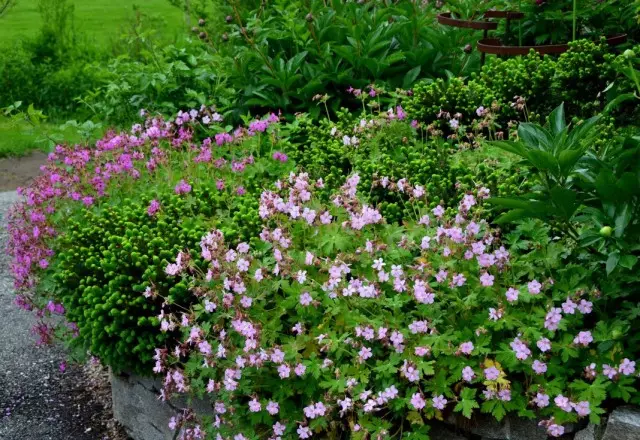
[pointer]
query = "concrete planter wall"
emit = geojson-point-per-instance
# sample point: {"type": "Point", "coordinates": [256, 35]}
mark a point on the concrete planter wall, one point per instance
{"type": "Point", "coordinates": [136, 405]}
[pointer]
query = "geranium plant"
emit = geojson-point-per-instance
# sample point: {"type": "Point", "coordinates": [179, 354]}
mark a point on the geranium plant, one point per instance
{"type": "Point", "coordinates": [333, 321]}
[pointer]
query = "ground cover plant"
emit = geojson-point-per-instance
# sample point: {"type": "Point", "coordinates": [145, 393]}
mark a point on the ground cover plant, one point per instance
{"type": "Point", "coordinates": [375, 328]}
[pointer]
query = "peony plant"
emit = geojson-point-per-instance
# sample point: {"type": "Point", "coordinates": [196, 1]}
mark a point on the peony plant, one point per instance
{"type": "Point", "coordinates": [334, 322]}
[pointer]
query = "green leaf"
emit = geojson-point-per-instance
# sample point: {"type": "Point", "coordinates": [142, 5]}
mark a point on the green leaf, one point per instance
{"type": "Point", "coordinates": [564, 201]}
{"type": "Point", "coordinates": [410, 77]}
{"type": "Point", "coordinates": [623, 217]}
{"type": "Point", "coordinates": [467, 402]}
{"type": "Point", "coordinates": [544, 161]}
{"type": "Point", "coordinates": [510, 146]}
{"type": "Point", "coordinates": [556, 120]}
{"type": "Point", "coordinates": [612, 261]}
{"type": "Point", "coordinates": [535, 137]}
{"type": "Point", "coordinates": [628, 261]}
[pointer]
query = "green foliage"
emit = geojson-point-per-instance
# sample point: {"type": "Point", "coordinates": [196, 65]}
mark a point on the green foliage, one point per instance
{"type": "Point", "coordinates": [169, 79]}
{"type": "Point", "coordinates": [283, 54]}
{"type": "Point", "coordinates": [576, 78]}
{"type": "Point", "coordinates": [392, 149]}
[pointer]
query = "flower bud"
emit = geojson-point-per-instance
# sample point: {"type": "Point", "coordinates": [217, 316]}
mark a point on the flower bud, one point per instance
{"type": "Point", "coordinates": [605, 231]}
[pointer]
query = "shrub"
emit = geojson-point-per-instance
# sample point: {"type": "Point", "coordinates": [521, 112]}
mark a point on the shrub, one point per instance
{"type": "Point", "coordinates": [99, 224]}
{"type": "Point", "coordinates": [338, 322]}
{"type": "Point", "coordinates": [520, 88]}
{"type": "Point", "coordinates": [387, 144]}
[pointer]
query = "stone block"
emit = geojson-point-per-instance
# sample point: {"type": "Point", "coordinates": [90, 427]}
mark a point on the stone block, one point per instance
{"type": "Point", "coordinates": [591, 432]}
{"type": "Point", "coordinates": [623, 424]}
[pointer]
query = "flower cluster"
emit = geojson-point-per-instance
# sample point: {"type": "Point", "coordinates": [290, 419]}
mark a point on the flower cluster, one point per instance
{"type": "Point", "coordinates": [157, 157]}
{"type": "Point", "coordinates": [334, 320]}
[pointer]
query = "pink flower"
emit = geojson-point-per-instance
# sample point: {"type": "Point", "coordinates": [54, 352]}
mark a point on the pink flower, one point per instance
{"type": "Point", "coordinates": [466, 347]}
{"type": "Point", "coordinates": [438, 211]}
{"type": "Point", "coordinates": [627, 367]}
{"type": "Point", "coordinates": [305, 299]}
{"type": "Point", "coordinates": [491, 373]}
{"type": "Point", "coordinates": [583, 338]}
{"type": "Point", "coordinates": [439, 402]}
{"type": "Point", "coordinates": [254, 406]}
{"type": "Point", "coordinates": [486, 280]}
{"type": "Point", "coordinates": [585, 306]}
{"type": "Point", "coordinates": [300, 369]}
{"type": "Point", "coordinates": [555, 430]}
{"type": "Point", "coordinates": [279, 428]}
{"type": "Point", "coordinates": [544, 344]}
{"type": "Point", "coordinates": [504, 395]}
{"type": "Point", "coordinates": [365, 353]}
{"type": "Point", "coordinates": [272, 408]}
{"type": "Point", "coordinates": [284, 371]}
{"type": "Point", "coordinates": [304, 432]}
{"type": "Point", "coordinates": [417, 401]}
{"type": "Point", "coordinates": [552, 319]}
{"type": "Point", "coordinates": [539, 367]}
{"type": "Point", "coordinates": [534, 287]}
{"type": "Point", "coordinates": [512, 294]}
{"type": "Point", "coordinates": [563, 403]}
{"type": "Point", "coordinates": [569, 307]}
{"type": "Point", "coordinates": [468, 374]}
{"type": "Point", "coordinates": [582, 408]}
{"type": "Point", "coordinates": [520, 348]}
{"type": "Point", "coordinates": [541, 400]}
{"type": "Point", "coordinates": [609, 371]}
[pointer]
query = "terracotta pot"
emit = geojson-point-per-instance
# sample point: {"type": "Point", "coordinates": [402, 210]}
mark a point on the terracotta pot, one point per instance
{"type": "Point", "coordinates": [446, 19]}
{"type": "Point", "coordinates": [495, 47]}
{"type": "Point", "coordinates": [483, 25]}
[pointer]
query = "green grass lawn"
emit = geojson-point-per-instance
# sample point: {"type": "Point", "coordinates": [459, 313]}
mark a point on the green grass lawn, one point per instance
{"type": "Point", "coordinates": [99, 20]}
{"type": "Point", "coordinates": [20, 139]}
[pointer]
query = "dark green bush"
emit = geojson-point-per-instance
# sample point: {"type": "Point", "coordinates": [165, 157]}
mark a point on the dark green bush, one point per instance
{"type": "Point", "coordinates": [576, 78]}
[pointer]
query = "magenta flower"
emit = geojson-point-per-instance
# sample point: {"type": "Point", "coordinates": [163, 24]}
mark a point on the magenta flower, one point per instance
{"type": "Point", "coordinates": [153, 208]}
{"type": "Point", "coordinates": [182, 187]}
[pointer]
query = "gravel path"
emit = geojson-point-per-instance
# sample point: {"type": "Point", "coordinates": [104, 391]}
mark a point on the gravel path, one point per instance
{"type": "Point", "coordinates": [38, 401]}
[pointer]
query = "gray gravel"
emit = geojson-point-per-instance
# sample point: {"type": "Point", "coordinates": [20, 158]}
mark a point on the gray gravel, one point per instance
{"type": "Point", "coordinates": [37, 400]}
